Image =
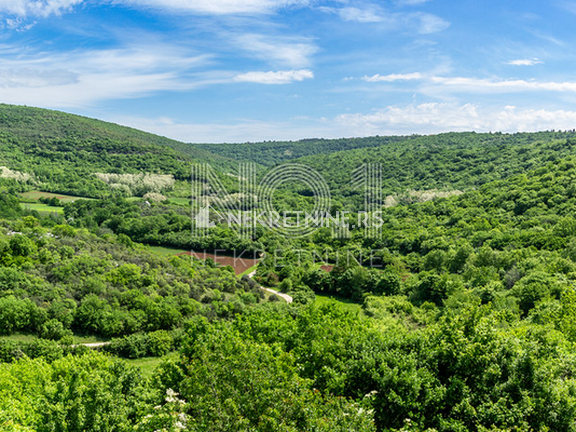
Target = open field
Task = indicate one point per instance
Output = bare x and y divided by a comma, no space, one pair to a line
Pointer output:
45,208
166,251
23,337
322,299
19,337
36,195
175,201
148,364
240,263
248,271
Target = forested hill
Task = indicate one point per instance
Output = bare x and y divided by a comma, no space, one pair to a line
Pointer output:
271,153
62,151
449,161
446,161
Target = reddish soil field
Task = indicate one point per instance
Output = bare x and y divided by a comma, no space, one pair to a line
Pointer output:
36,195
240,263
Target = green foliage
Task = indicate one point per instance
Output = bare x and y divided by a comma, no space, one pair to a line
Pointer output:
55,281
231,383
88,393
272,153
475,370
9,206
62,152
465,305
155,344
451,161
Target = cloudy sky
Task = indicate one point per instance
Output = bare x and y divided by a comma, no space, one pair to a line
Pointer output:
252,70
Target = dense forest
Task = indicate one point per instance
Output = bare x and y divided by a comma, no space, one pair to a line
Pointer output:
459,316
268,154
61,153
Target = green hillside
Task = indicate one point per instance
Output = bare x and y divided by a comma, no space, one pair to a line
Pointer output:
457,315
272,153
60,152
446,161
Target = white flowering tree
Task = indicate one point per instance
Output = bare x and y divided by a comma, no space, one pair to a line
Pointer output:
169,417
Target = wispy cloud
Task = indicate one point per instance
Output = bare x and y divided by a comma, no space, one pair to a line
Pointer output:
568,5
280,77
441,117
411,2
418,22
394,77
367,15
479,85
475,85
393,120
427,23
81,78
291,52
243,130
219,7
525,62
44,8
36,8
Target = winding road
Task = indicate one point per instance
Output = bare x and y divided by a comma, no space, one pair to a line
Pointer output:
270,290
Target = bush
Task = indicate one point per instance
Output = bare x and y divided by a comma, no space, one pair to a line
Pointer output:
48,350
54,330
155,344
160,343
10,350
303,295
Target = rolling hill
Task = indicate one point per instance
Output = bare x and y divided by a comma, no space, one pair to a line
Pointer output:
61,152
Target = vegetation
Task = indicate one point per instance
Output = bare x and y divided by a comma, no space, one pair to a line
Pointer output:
268,154
61,153
459,316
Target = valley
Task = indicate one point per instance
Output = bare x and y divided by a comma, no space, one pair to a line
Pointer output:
455,313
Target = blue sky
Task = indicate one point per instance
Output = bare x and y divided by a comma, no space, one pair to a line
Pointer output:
252,70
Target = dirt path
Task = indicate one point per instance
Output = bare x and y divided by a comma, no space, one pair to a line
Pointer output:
270,290
92,344
286,297
279,294
96,344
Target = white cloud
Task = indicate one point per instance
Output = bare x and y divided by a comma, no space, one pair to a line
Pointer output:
443,117
419,22
427,23
361,15
35,78
37,8
394,77
525,62
430,83
394,120
280,77
480,85
80,78
292,52
44,8
219,7
411,2
240,131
